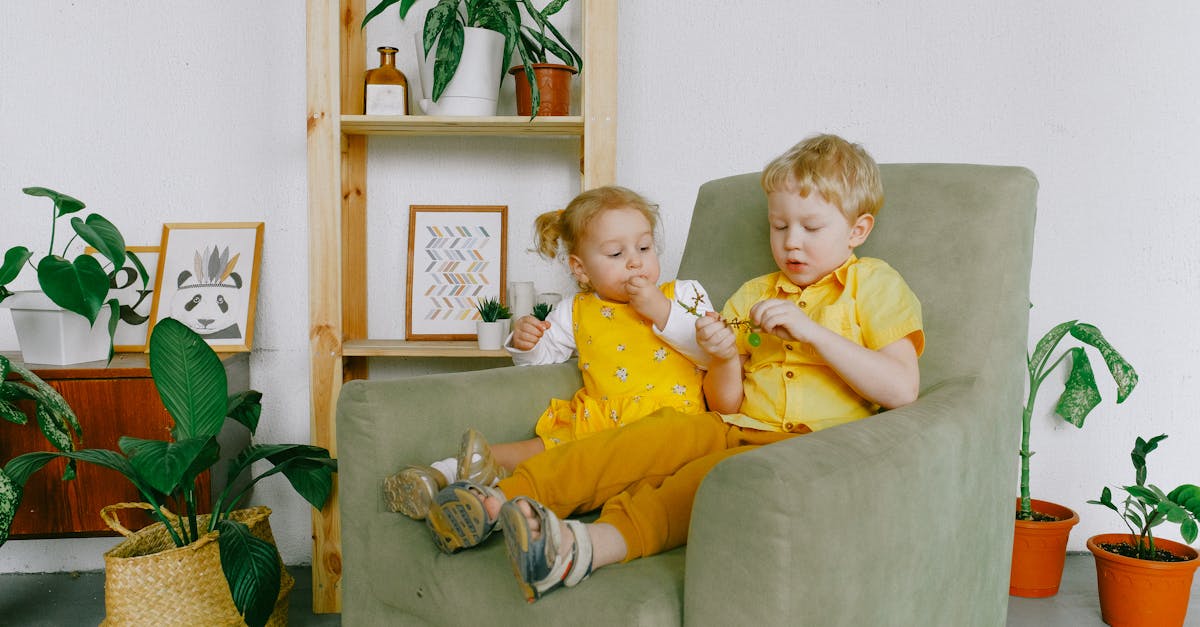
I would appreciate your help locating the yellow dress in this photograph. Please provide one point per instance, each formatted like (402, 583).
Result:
(628, 372)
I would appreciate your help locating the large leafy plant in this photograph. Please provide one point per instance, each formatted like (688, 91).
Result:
(1146, 506)
(82, 285)
(444, 25)
(192, 384)
(1080, 394)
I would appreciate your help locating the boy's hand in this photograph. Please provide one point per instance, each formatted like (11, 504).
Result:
(783, 319)
(648, 301)
(715, 337)
(527, 331)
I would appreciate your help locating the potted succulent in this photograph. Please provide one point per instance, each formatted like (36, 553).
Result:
(544, 88)
(1042, 527)
(541, 310)
(192, 385)
(80, 287)
(451, 24)
(492, 324)
(1143, 581)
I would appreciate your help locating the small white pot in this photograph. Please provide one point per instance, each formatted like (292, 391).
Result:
(49, 334)
(476, 84)
(491, 334)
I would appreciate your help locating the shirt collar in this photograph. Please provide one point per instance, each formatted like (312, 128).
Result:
(783, 284)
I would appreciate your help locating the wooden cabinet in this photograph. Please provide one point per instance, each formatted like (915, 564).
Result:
(337, 209)
(111, 400)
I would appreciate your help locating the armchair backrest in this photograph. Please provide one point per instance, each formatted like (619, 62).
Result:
(961, 235)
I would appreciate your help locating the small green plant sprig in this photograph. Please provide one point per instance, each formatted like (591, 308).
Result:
(491, 309)
(1080, 394)
(1146, 506)
(754, 339)
(541, 310)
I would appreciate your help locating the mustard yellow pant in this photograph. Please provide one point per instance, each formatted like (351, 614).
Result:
(644, 475)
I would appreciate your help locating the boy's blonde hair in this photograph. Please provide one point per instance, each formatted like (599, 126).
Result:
(565, 228)
(842, 172)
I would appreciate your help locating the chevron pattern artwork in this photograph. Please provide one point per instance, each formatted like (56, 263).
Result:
(457, 269)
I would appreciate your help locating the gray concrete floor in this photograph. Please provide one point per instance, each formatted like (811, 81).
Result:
(1076, 604)
(66, 599)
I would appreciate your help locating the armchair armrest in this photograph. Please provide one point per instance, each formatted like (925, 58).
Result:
(859, 524)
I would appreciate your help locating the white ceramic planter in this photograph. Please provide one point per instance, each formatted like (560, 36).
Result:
(491, 334)
(49, 334)
(476, 84)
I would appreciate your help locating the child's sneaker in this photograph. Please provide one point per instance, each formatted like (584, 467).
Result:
(475, 461)
(412, 490)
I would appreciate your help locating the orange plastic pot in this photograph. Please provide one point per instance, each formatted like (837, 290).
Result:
(554, 88)
(1142, 593)
(1040, 550)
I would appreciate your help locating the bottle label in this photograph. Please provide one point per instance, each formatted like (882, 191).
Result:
(386, 100)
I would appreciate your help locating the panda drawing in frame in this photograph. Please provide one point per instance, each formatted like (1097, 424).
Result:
(208, 280)
(209, 297)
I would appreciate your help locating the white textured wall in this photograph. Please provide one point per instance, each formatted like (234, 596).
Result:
(194, 111)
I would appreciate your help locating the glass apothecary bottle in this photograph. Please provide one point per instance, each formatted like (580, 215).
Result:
(386, 90)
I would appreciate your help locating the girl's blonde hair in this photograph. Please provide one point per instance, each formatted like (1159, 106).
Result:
(562, 230)
(843, 173)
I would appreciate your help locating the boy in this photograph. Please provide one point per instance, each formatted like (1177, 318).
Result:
(837, 338)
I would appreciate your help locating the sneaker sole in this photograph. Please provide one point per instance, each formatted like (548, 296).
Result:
(516, 540)
(409, 494)
(458, 522)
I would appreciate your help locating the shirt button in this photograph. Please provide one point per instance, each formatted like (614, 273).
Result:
(803, 304)
(789, 374)
(787, 426)
(788, 346)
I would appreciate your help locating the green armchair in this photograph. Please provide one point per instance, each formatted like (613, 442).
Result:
(904, 518)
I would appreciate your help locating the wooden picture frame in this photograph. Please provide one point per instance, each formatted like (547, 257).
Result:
(456, 256)
(207, 278)
(136, 300)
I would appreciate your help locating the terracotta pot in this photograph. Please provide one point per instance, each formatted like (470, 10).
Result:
(1142, 593)
(1039, 551)
(554, 84)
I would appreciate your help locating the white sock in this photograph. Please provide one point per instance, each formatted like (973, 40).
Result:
(448, 467)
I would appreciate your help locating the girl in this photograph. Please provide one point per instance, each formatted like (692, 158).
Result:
(635, 340)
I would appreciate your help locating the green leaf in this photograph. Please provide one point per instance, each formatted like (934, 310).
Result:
(63, 204)
(14, 262)
(1143, 494)
(79, 287)
(449, 54)
(554, 7)
(190, 379)
(1122, 372)
(1188, 530)
(437, 20)
(137, 264)
(10, 499)
(308, 468)
(47, 396)
(383, 5)
(1187, 496)
(1045, 345)
(246, 408)
(103, 236)
(251, 567)
(1080, 394)
(164, 464)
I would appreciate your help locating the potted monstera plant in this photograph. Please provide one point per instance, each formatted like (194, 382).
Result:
(471, 42)
(58, 325)
(232, 546)
(1043, 527)
(1145, 581)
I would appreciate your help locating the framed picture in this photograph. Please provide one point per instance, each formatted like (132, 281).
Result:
(456, 256)
(136, 299)
(208, 279)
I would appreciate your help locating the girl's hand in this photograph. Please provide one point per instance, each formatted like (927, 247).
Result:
(715, 337)
(648, 301)
(527, 331)
(783, 319)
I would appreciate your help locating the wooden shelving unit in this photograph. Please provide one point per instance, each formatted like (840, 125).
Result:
(337, 210)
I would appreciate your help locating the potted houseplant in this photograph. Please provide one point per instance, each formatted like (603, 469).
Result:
(1141, 580)
(80, 287)
(544, 88)
(492, 324)
(1042, 527)
(192, 385)
(541, 310)
(449, 26)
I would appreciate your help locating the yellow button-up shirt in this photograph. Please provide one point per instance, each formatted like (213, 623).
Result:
(787, 384)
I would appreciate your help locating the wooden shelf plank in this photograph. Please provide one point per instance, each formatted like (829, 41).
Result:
(406, 348)
(498, 126)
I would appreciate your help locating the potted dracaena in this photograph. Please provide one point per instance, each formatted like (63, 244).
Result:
(452, 28)
(80, 287)
(1043, 527)
(1143, 580)
(191, 382)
